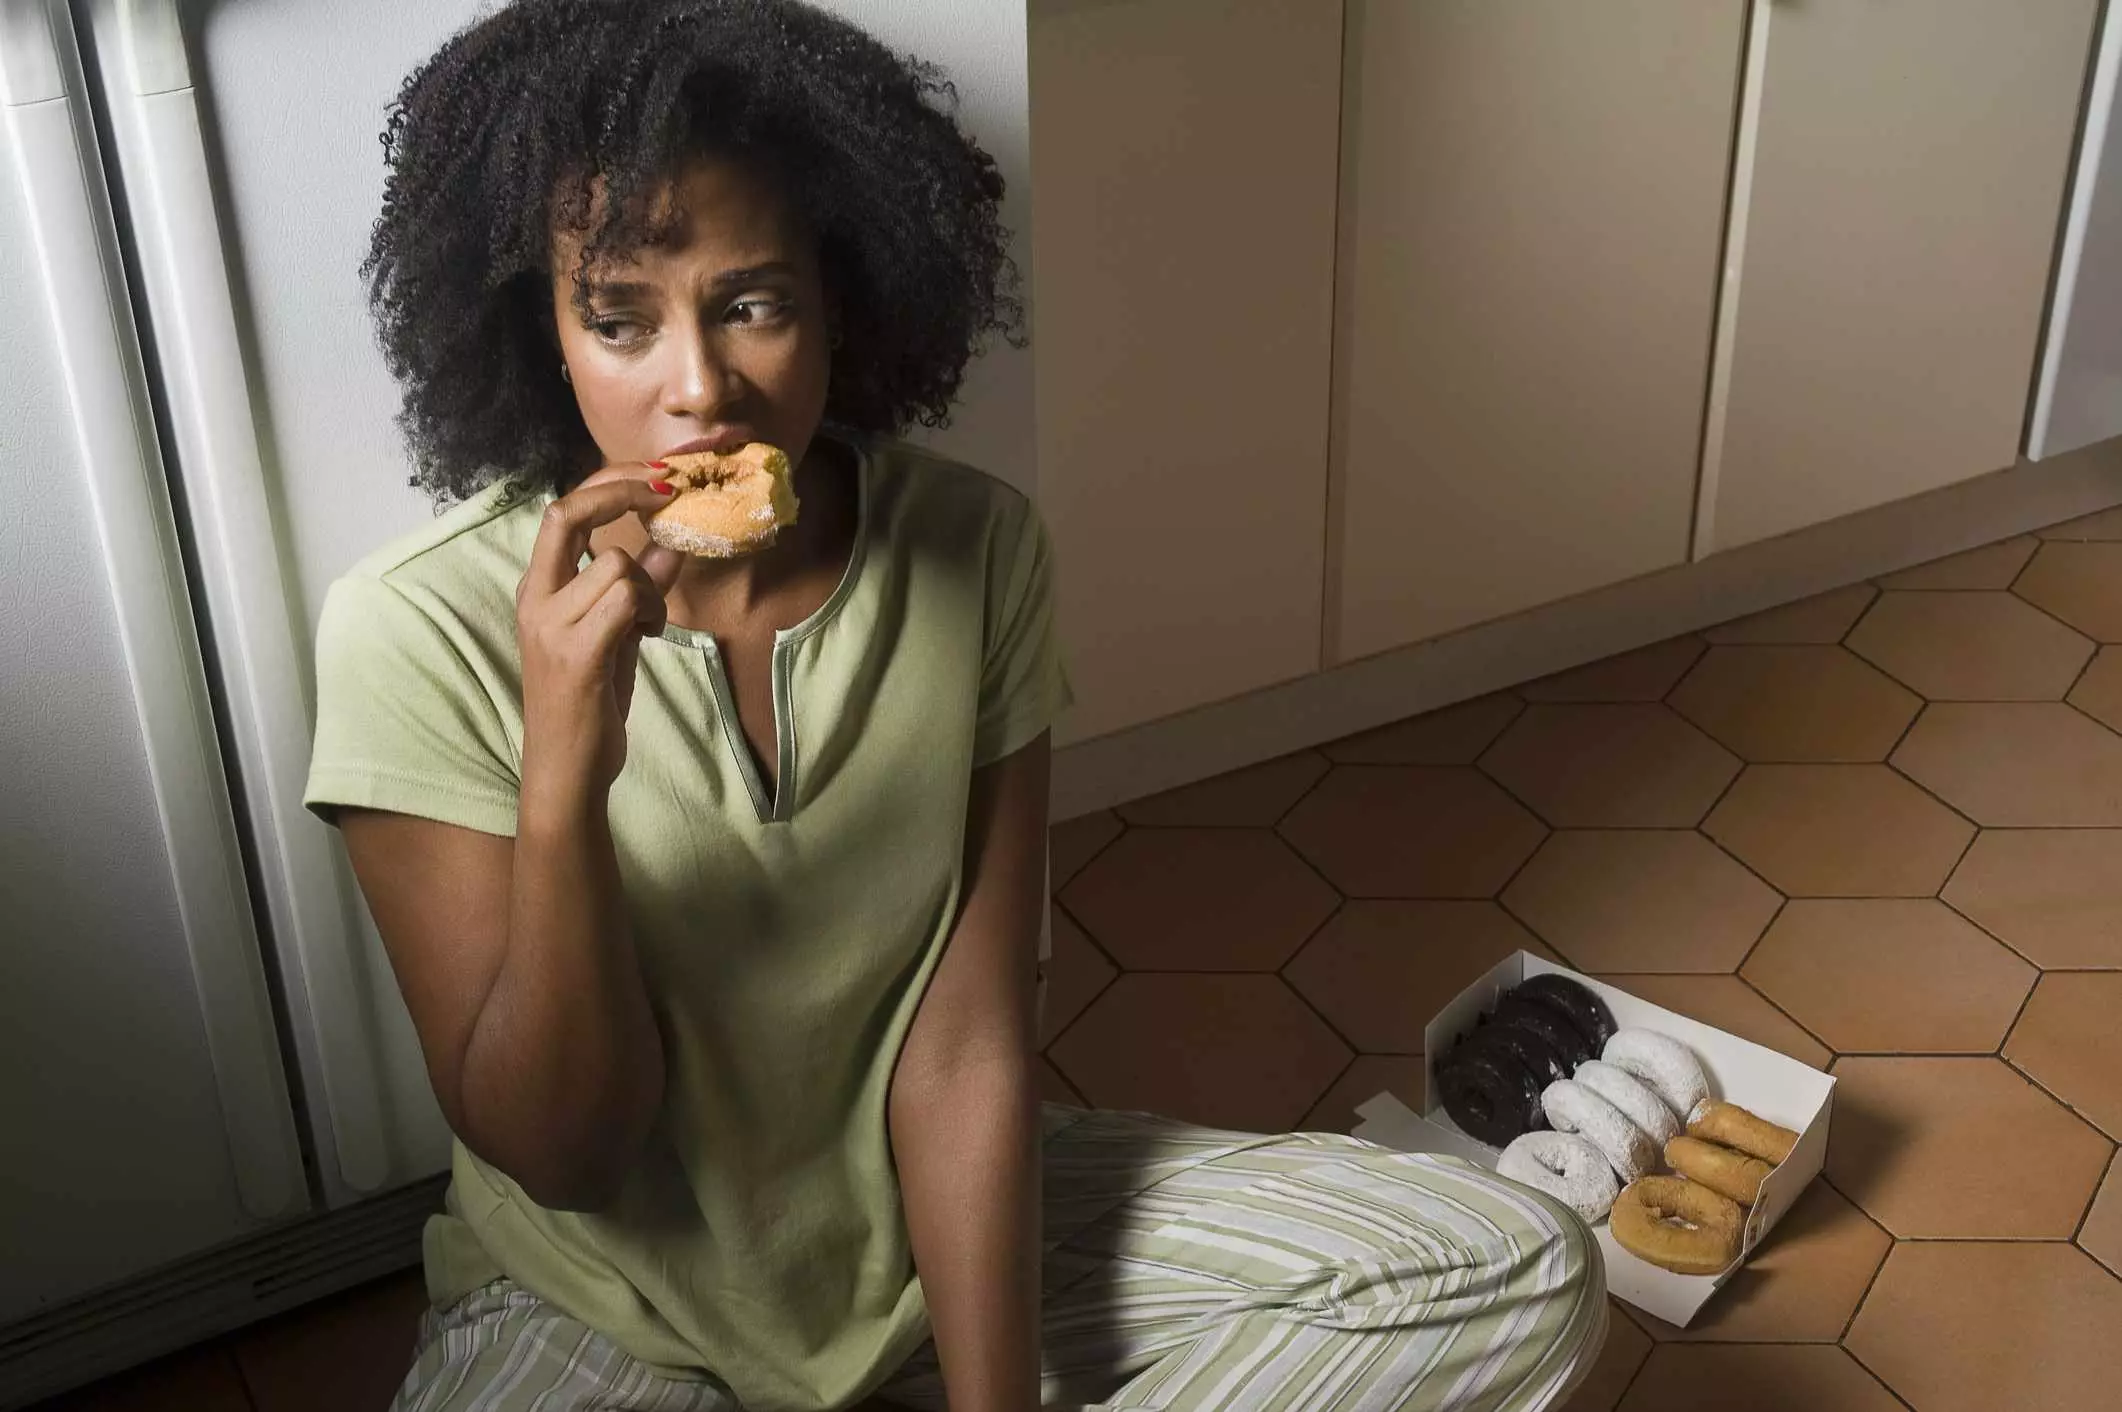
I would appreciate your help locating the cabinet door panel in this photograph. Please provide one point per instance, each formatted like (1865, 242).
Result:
(1183, 231)
(1532, 212)
(1906, 190)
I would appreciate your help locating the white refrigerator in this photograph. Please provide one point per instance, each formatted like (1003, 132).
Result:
(212, 1104)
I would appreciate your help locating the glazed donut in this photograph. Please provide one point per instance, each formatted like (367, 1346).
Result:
(728, 503)
(1676, 1225)
(1667, 1065)
(1524, 1045)
(1573, 1108)
(1545, 1021)
(1638, 1102)
(1491, 1096)
(1736, 1128)
(1577, 1003)
(1564, 1166)
(1723, 1171)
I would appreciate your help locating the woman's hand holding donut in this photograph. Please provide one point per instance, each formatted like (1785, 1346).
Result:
(579, 632)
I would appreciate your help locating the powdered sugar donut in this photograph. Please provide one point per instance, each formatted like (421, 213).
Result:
(1564, 1166)
(1638, 1101)
(1665, 1064)
(1573, 1108)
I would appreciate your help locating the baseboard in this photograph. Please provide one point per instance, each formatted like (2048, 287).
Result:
(85, 1339)
(1099, 773)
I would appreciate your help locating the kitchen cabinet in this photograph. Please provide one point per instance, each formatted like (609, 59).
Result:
(1900, 213)
(2079, 400)
(1532, 209)
(1183, 246)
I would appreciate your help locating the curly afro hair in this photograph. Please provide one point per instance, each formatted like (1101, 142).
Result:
(496, 139)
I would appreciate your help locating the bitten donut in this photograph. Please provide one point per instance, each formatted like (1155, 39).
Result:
(1573, 1108)
(1636, 1100)
(1576, 1003)
(1736, 1128)
(1490, 1095)
(1665, 1064)
(1676, 1225)
(1564, 1166)
(728, 503)
(1723, 1171)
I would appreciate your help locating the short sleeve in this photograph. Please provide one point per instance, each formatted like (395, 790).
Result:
(404, 721)
(1023, 683)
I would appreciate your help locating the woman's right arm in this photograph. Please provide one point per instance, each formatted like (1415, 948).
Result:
(514, 955)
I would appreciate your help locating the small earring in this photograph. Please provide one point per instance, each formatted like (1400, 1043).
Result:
(566, 376)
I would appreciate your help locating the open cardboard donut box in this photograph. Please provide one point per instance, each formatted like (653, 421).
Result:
(1773, 1085)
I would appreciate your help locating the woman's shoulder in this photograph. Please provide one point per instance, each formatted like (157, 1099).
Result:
(923, 493)
(464, 563)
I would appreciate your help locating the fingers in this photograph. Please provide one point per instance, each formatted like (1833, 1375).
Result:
(563, 536)
(630, 606)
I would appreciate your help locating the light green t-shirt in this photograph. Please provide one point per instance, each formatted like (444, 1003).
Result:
(786, 934)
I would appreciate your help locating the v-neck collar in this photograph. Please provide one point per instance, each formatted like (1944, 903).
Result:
(778, 805)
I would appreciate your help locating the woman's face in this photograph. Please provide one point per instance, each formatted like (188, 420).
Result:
(710, 340)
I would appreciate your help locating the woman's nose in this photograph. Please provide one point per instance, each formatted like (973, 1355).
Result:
(703, 384)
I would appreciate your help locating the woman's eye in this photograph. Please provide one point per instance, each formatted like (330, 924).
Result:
(758, 312)
(617, 330)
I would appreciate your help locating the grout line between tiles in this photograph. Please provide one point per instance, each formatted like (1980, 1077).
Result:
(1873, 1374)
(1326, 774)
(2079, 680)
(1088, 935)
(1311, 937)
(1771, 1002)
(2078, 1231)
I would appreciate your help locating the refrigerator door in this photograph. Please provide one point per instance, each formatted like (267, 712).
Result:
(2078, 398)
(141, 1088)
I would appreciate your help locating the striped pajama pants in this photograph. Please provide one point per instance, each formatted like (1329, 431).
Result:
(1185, 1269)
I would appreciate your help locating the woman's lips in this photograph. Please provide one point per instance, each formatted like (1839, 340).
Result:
(720, 441)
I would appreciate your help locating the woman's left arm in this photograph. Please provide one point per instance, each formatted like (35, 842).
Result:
(964, 1109)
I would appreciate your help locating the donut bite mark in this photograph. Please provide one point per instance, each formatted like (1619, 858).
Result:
(728, 503)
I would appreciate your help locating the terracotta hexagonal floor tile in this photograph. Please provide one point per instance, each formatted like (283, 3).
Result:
(1823, 619)
(1199, 900)
(1985, 1327)
(1642, 900)
(2100, 525)
(1743, 1377)
(1379, 970)
(1071, 845)
(2070, 1042)
(1840, 831)
(1412, 831)
(1254, 797)
(1370, 1075)
(202, 1378)
(2052, 895)
(1643, 675)
(1992, 567)
(1454, 735)
(1238, 1052)
(1620, 1359)
(1960, 1148)
(1971, 646)
(2101, 1235)
(1801, 1285)
(1611, 766)
(1729, 1004)
(1052, 1087)
(2079, 583)
(1074, 977)
(1890, 975)
(2032, 764)
(2099, 692)
(1796, 704)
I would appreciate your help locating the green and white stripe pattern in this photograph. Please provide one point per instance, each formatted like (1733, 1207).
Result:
(1186, 1269)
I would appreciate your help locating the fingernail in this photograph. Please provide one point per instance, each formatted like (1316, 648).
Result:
(659, 465)
(663, 487)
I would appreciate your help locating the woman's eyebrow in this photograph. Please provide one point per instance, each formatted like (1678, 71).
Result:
(748, 274)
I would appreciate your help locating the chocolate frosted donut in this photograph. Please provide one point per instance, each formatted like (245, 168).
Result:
(1562, 1036)
(1489, 1093)
(1576, 1003)
(1526, 1046)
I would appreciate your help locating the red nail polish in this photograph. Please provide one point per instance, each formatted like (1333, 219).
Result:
(659, 465)
(663, 487)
